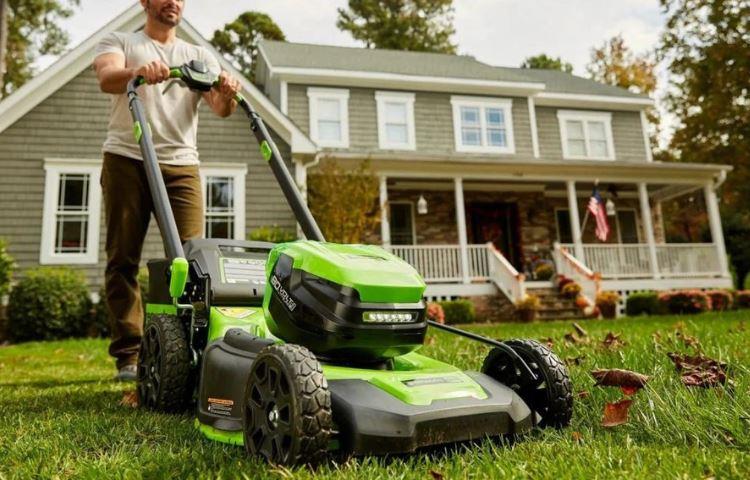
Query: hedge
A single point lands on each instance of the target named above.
(684, 301)
(458, 311)
(721, 300)
(642, 303)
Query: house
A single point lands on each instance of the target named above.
(484, 171)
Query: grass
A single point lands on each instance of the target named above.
(60, 416)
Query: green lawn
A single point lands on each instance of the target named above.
(60, 416)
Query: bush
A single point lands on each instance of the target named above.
(720, 300)
(435, 312)
(529, 302)
(101, 323)
(742, 299)
(684, 301)
(7, 265)
(49, 304)
(640, 303)
(273, 234)
(458, 311)
(571, 290)
(544, 271)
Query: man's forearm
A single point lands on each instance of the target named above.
(114, 79)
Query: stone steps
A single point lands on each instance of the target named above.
(554, 306)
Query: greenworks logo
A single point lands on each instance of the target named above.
(285, 297)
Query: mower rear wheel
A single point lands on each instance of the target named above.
(550, 395)
(287, 407)
(164, 365)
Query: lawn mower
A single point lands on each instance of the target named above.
(301, 349)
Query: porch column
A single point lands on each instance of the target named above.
(461, 224)
(717, 235)
(648, 226)
(385, 226)
(575, 221)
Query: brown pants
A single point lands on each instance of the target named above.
(128, 207)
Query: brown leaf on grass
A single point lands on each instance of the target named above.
(548, 341)
(612, 341)
(583, 394)
(436, 475)
(129, 399)
(577, 437)
(579, 330)
(616, 377)
(616, 413)
(575, 339)
(575, 360)
(699, 370)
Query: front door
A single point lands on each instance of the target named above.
(497, 222)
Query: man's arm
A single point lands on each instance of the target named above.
(114, 76)
(221, 98)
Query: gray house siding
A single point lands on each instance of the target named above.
(72, 123)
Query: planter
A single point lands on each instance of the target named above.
(608, 311)
(527, 316)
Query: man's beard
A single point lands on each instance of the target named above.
(163, 19)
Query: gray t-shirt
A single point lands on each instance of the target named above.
(173, 115)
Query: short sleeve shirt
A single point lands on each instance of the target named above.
(172, 113)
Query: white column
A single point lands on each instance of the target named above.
(385, 226)
(532, 122)
(461, 224)
(648, 226)
(575, 221)
(717, 235)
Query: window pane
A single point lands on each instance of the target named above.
(495, 118)
(397, 134)
(329, 131)
(395, 113)
(628, 226)
(328, 109)
(71, 234)
(220, 195)
(596, 131)
(563, 226)
(496, 137)
(598, 148)
(577, 148)
(575, 129)
(471, 136)
(401, 226)
(219, 227)
(73, 192)
(470, 116)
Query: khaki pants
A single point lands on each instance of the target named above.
(128, 207)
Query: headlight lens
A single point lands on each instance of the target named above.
(389, 317)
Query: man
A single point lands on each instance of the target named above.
(173, 117)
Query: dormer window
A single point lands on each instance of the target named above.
(396, 121)
(329, 116)
(586, 135)
(483, 125)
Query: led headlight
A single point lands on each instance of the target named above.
(389, 317)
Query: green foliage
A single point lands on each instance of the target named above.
(641, 303)
(239, 39)
(344, 201)
(33, 30)
(545, 62)
(49, 303)
(416, 25)
(7, 265)
(684, 301)
(273, 234)
(458, 311)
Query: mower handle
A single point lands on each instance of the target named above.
(187, 75)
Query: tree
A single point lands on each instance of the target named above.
(31, 30)
(344, 201)
(238, 40)
(614, 63)
(416, 25)
(545, 62)
(706, 47)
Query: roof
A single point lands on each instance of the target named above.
(288, 55)
(34, 92)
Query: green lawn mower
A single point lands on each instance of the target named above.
(303, 349)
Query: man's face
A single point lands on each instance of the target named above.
(167, 12)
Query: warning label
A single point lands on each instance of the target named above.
(220, 406)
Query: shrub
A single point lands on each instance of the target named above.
(529, 302)
(571, 290)
(273, 234)
(720, 300)
(544, 271)
(49, 304)
(458, 311)
(684, 301)
(435, 312)
(101, 323)
(7, 265)
(606, 303)
(640, 303)
(742, 299)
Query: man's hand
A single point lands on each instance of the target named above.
(228, 86)
(153, 72)
(221, 98)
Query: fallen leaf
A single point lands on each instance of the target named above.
(436, 475)
(629, 391)
(699, 370)
(577, 437)
(575, 339)
(616, 413)
(580, 330)
(616, 377)
(129, 399)
(548, 341)
(689, 341)
(583, 394)
(612, 341)
(575, 360)
(740, 328)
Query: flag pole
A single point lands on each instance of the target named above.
(586, 217)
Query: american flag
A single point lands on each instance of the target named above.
(597, 209)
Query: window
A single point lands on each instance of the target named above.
(483, 125)
(627, 226)
(396, 120)
(329, 116)
(224, 198)
(586, 135)
(564, 233)
(402, 223)
(71, 215)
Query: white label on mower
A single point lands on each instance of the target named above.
(421, 382)
(283, 294)
(220, 406)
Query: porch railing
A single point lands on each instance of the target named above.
(442, 263)
(633, 261)
(505, 276)
(571, 267)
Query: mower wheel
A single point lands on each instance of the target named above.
(287, 407)
(164, 380)
(550, 395)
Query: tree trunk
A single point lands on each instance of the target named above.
(3, 43)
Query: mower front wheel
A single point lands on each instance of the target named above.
(550, 395)
(287, 407)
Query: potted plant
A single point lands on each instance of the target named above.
(607, 303)
(544, 271)
(571, 290)
(527, 307)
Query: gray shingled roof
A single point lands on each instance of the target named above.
(302, 55)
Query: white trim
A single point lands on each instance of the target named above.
(53, 169)
(407, 99)
(648, 227)
(284, 97)
(534, 130)
(237, 172)
(553, 99)
(342, 96)
(483, 103)
(575, 221)
(646, 139)
(714, 220)
(413, 219)
(564, 116)
(461, 224)
(385, 227)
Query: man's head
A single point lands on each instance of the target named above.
(166, 12)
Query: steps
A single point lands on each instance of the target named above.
(555, 306)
